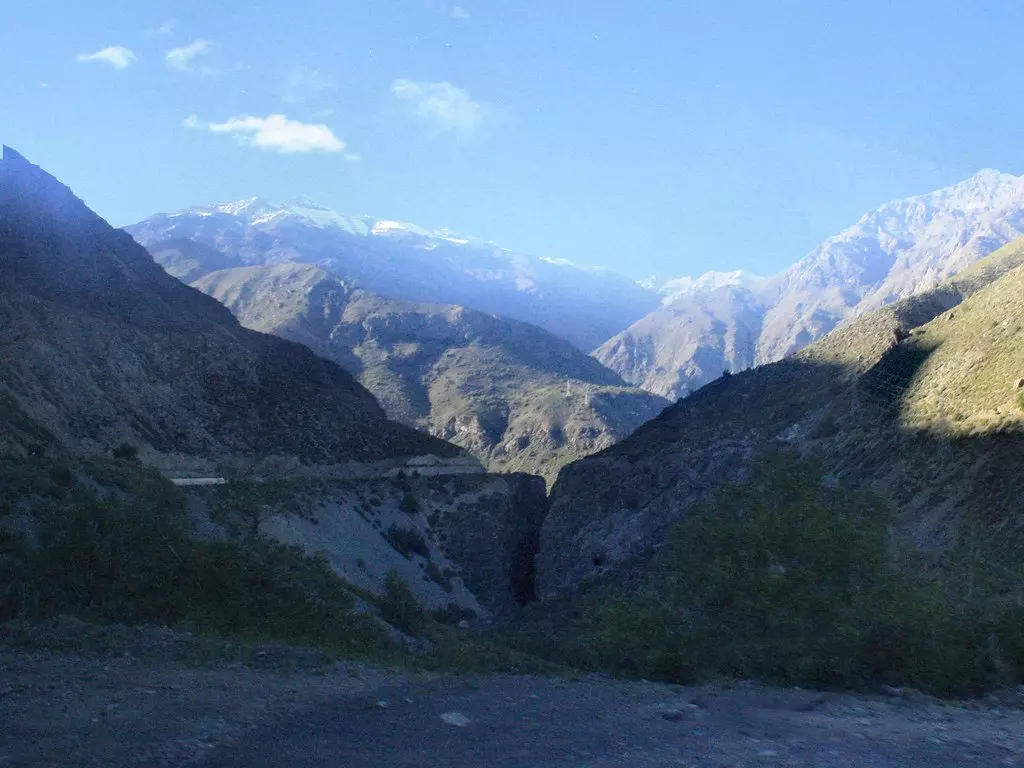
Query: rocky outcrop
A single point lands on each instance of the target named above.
(493, 533)
(458, 538)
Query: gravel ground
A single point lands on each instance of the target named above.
(148, 697)
(530, 722)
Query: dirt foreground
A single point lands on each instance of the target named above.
(113, 708)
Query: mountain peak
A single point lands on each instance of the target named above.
(11, 154)
(246, 205)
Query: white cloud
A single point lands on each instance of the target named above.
(449, 108)
(303, 83)
(352, 157)
(274, 132)
(163, 30)
(181, 58)
(116, 56)
(460, 13)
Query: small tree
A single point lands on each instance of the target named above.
(399, 606)
(410, 504)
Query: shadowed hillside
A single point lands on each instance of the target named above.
(933, 422)
(102, 347)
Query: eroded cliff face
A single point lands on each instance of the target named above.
(458, 536)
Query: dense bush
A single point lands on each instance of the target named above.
(399, 606)
(409, 504)
(125, 452)
(407, 541)
(783, 579)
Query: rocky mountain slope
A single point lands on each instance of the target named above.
(931, 417)
(399, 261)
(515, 396)
(100, 347)
(901, 248)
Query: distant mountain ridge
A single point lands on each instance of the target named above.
(400, 261)
(902, 248)
(514, 395)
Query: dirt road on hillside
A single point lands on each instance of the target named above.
(290, 708)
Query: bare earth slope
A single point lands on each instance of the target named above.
(934, 423)
(514, 395)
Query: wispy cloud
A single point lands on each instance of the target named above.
(163, 30)
(274, 133)
(116, 56)
(303, 83)
(445, 106)
(446, 8)
(181, 58)
(352, 157)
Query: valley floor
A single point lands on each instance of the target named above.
(287, 707)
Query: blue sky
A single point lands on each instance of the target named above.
(668, 137)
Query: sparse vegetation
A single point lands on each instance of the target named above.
(132, 561)
(788, 581)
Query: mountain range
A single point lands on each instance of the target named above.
(400, 261)
(731, 321)
(514, 395)
(931, 417)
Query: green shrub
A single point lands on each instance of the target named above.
(435, 574)
(62, 476)
(399, 606)
(134, 563)
(125, 452)
(783, 579)
(409, 504)
(407, 541)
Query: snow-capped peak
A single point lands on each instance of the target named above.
(681, 287)
(386, 227)
(239, 207)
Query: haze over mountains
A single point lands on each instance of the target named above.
(400, 261)
(668, 336)
(102, 349)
